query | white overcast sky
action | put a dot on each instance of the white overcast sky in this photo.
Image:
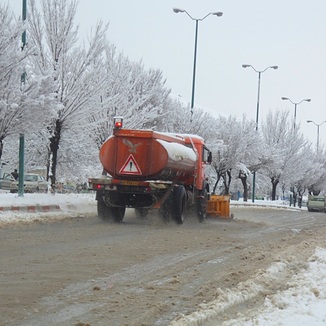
(287, 33)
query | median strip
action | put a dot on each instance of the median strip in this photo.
(31, 208)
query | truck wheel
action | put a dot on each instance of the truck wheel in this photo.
(103, 211)
(201, 205)
(117, 213)
(165, 211)
(179, 204)
(141, 213)
(164, 214)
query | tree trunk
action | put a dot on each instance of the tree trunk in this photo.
(53, 154)
(227, 181)
(216, 183)
(300, 200)
(300, 194)
(295, 196)
(1, 146)
(275, 182)
(243, 178)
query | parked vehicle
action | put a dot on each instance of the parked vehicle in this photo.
(32, 183)
(316, 203)
(8, 182)
(152, 170)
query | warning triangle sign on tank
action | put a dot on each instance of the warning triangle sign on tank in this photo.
(130, 167)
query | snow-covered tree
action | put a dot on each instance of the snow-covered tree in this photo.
(131, 91)
(76, 71)
(226, 150)
(316, 172)
(71, 92)
(250, 154)
(237, 151)
(283, 143)
(18, 96)
(296, 173)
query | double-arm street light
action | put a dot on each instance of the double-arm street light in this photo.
(295, 106)
(257, 116)
(218, 14)
(318, 125)
(259, 77)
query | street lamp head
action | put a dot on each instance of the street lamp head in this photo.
(284, 98)
(246, 66)
(218, 14)
(274, 67)
(177, 10)
(309, 121)
(307, 99)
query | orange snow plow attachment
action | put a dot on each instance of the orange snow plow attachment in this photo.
(219, 206)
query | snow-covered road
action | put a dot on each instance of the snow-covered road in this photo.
(299, 300)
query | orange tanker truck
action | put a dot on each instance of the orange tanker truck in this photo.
(145, 170)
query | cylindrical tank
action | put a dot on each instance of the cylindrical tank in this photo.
(146, 158)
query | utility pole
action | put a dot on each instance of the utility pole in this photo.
(21, 136)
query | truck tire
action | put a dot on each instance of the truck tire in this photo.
(165, 213)
(103, 211)
(179, 204)
(117, 213)
(141, 213)
(108, 213)
(201, 205)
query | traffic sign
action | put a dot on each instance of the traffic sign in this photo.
(130, 166)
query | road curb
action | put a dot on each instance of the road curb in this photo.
(31, 208)
(266, 206)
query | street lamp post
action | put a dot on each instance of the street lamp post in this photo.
(295, 107)
(318, 125)
(24, 10)
(257, 116)
(22, 136)
(218, 14)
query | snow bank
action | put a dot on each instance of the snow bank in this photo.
(69, 204)
(303, 301)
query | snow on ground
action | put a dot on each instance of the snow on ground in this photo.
(7, 198)
(70, 204)
(302, 303)
(267, 203)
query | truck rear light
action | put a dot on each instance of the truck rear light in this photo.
(118, 122)
(148, 189)
(98, 186)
